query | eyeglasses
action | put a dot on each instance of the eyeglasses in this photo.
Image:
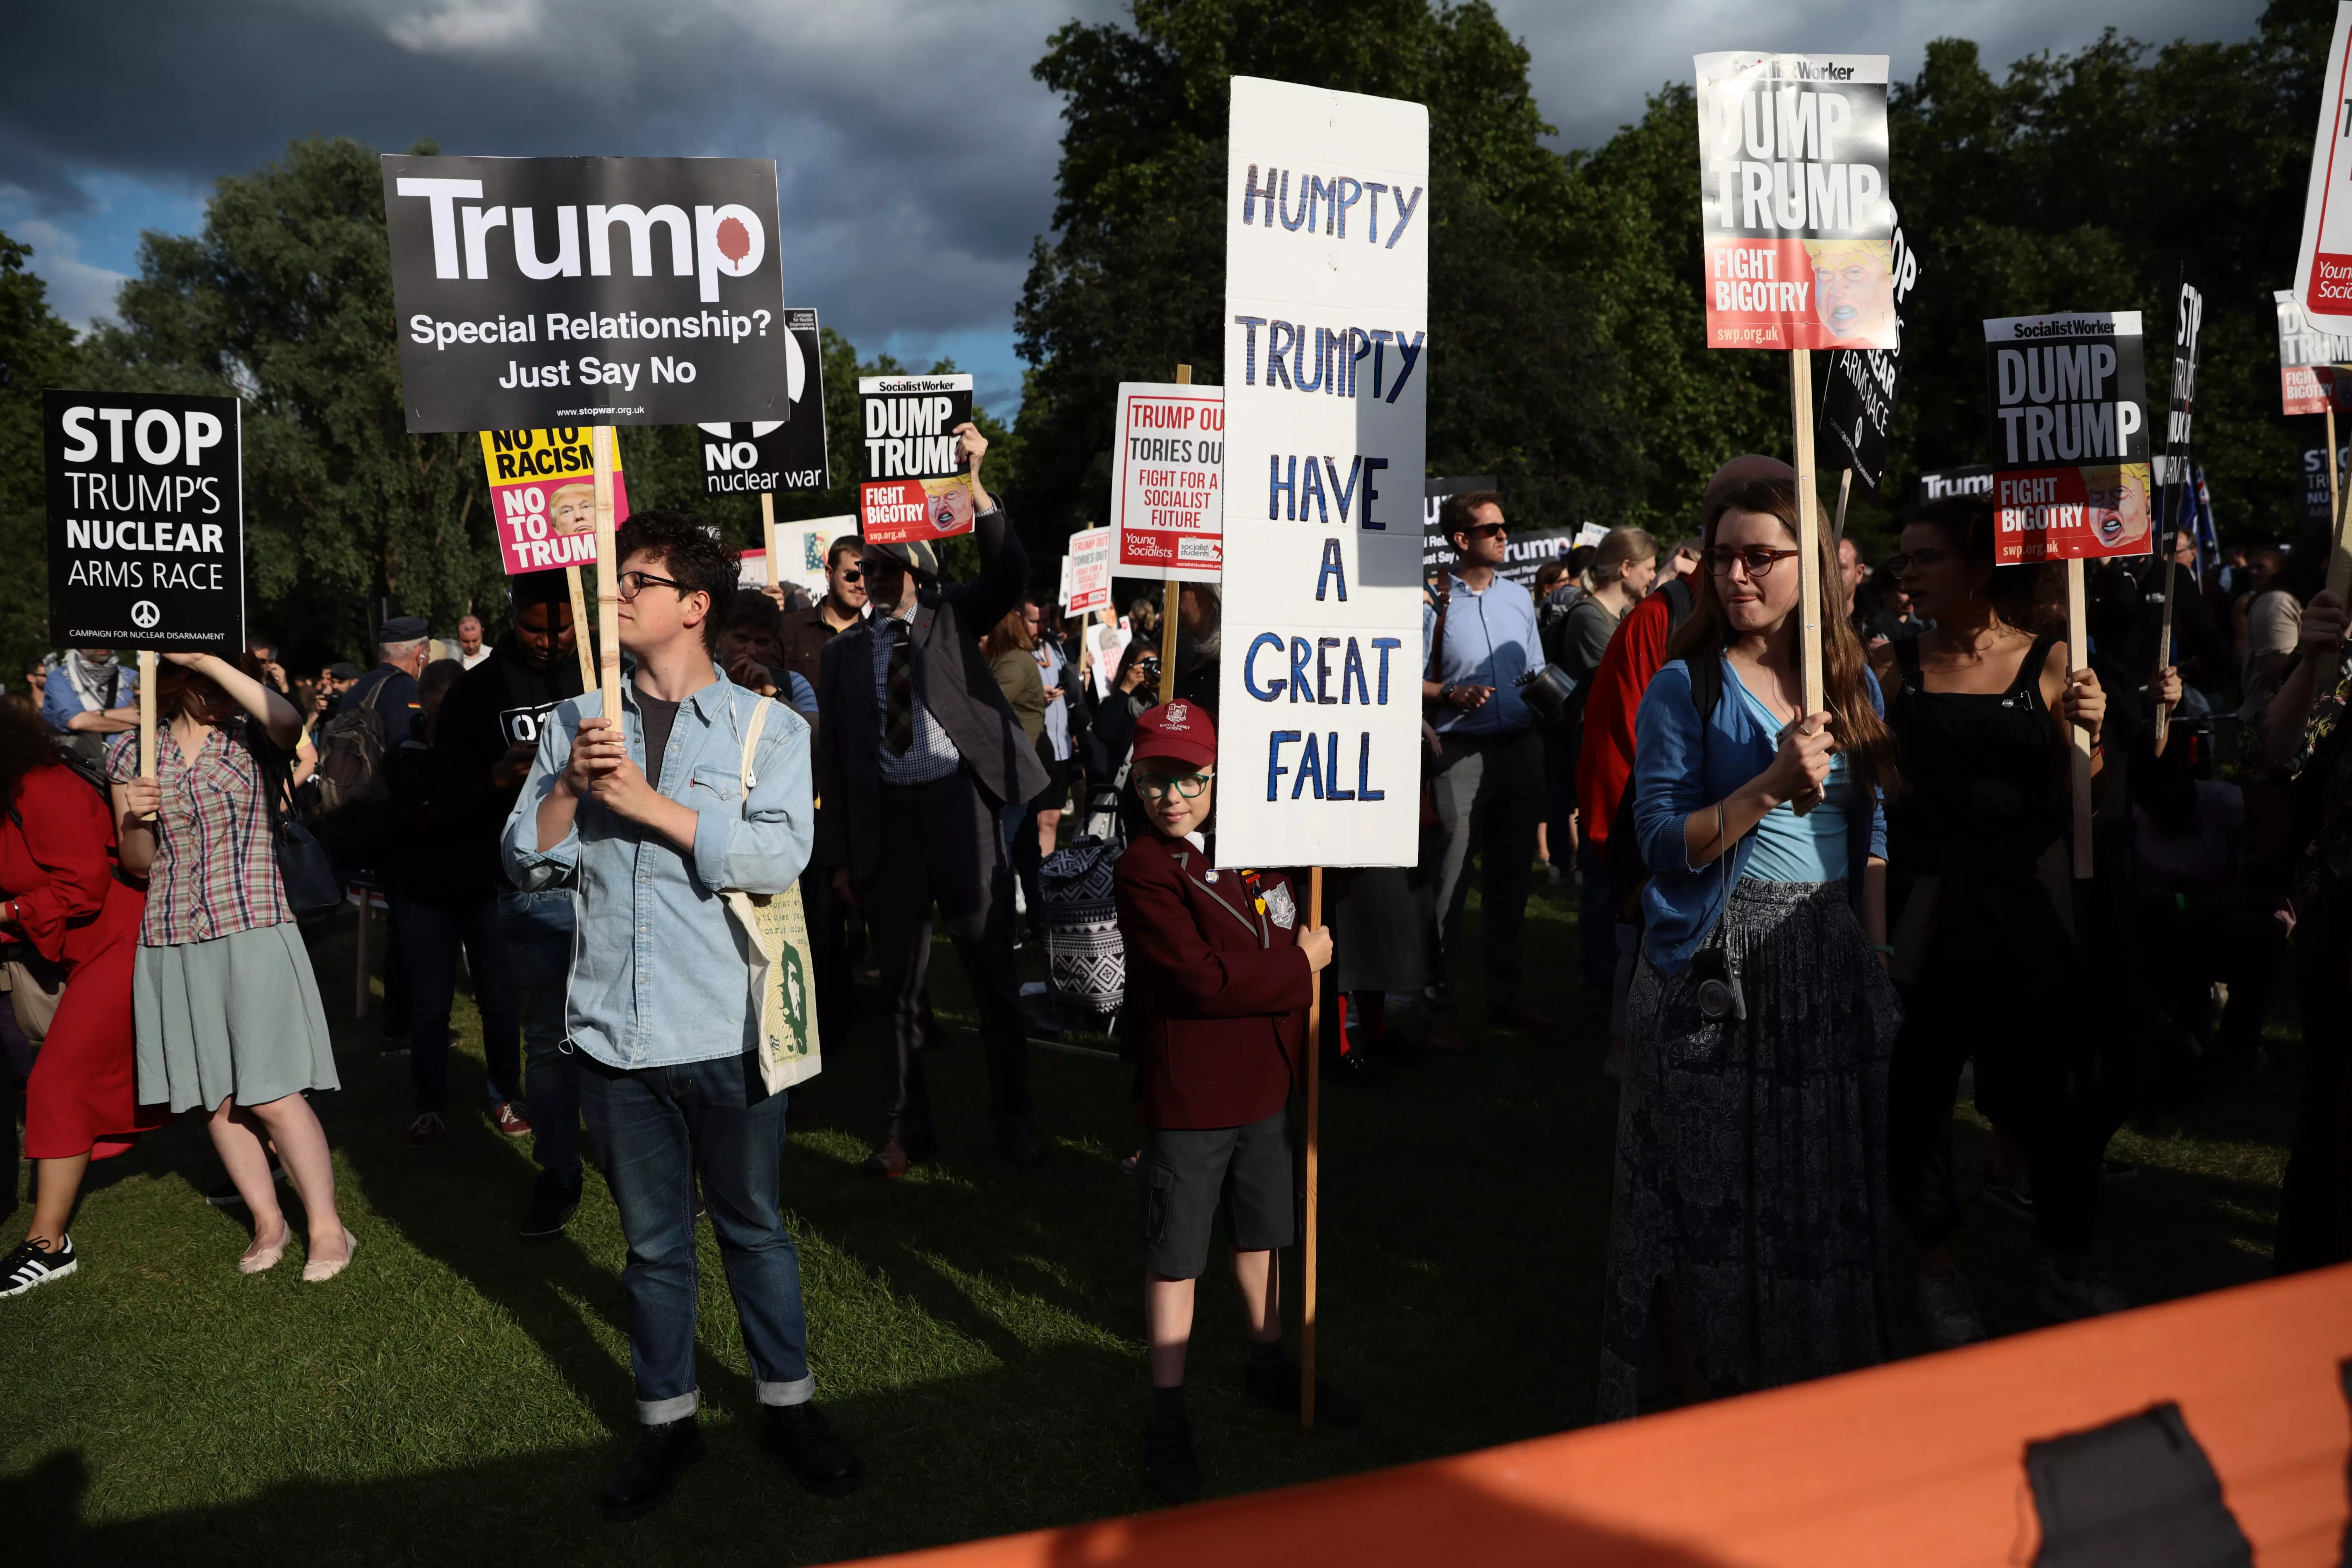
(1758, 561)
(633, 583)
(1925, 560)
(1155, 786)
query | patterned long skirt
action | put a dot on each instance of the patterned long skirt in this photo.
(1752, 1155)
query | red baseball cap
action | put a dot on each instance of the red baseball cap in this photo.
(1180, 729)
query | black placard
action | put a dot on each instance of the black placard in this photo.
(746, 458)
(1436, 548)
(1858, 405)
(146, 533)
(532, 292)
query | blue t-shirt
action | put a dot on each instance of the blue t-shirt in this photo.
(1789, 847)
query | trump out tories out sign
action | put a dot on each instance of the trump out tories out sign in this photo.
(1326, 333)
(532, 292)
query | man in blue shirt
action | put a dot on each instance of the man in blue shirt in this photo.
(89, 695)
(1478, 637)
(647, 826)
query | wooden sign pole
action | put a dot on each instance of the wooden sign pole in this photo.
(1314, 1162)
(608, 577)
(580, 629)
(2171, 520)
(2078, 644)
(1809, 532)
(768, 531)
(146, 716)
(1845, 488)
(1171, 602)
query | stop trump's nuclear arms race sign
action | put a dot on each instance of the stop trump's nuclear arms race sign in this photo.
(538, 292)
(146, 521)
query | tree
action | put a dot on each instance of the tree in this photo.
(37, 350)
(1131, 283)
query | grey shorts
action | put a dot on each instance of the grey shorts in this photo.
(1188, 1175)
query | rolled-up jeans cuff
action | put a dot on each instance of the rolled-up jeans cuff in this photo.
(661, 1412)
(800, 1390)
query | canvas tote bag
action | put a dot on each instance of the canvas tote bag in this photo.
(782, 974)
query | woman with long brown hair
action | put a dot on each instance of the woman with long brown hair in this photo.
(78, 918)
(1981, 705)
(227, 1007)
(1750, 1211)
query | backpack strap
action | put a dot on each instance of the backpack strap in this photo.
(1679, 605)
(1443, 592)
(1706, 687)
(751, 743)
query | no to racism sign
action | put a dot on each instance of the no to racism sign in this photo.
(146, 521)
(532, 292)
(1168, 473)
(1793, 202)
(2069, 434)
(2314, 363)
(543, 495)
(787, 454)
(913, 483)
(1858, 407)
(1326, 335)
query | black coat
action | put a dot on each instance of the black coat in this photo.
(957, 690)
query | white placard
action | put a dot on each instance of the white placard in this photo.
(1167, 481)
(2322, 261)
(1327, 260)
(1088, 564)
(1109, 646)
(799, 553)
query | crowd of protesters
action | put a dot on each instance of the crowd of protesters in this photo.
(1805, 929)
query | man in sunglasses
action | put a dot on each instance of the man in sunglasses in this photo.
(1479, 636)
(843, 606)
(917, 756)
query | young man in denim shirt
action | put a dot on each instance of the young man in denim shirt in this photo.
(647, 826)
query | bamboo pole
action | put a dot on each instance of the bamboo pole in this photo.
(2078, 644)
(580, 646)
(768, 531)
(1314, 1163)
(608, 578)
(1808, 531)
(1845, 488)
(147, 717)
(1171, 602)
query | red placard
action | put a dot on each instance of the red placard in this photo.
(2059, 514)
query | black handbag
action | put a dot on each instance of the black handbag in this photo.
(303, 865)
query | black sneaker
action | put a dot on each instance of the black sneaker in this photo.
(32, 1264)
(646, 1476)
(1170, 1468)
(2014, 1195)
(554, 1202)
(820, 1461)
(1277, 1389)
(226, 1196)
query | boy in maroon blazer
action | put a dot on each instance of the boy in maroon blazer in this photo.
(1218, 979)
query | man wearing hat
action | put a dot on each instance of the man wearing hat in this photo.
(401, 648)
(917, 755)
(1219, 970)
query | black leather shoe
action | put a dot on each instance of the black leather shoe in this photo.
(1279, 1390)
(1170, 1468)
(1019, 1147)
(646, 1476)
(554, 1202)
(820, 1461)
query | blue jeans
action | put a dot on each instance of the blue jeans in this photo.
(432, 933)
(655, 1127)
(536, 929)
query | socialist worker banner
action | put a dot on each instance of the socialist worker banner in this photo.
(914, 485)
(2310, 360)
(2068, 395)
(543, 495)
(1793, 202)
(530, 292)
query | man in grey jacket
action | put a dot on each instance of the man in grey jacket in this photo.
(917, 754)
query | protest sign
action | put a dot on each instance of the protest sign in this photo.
(146, 521)
(1326, 261)
(2068, 401)
(1167, 478)
(800, 549)
(1088, 562)
(913, 483)
(1109, 643)
(543, 495)
(787, 454)
(2323, 260)
(1858, 405)
(1795, 217)
(531, 293)
(2314, 363)
(1941, 484)
(1436, 549)
(2172, 470)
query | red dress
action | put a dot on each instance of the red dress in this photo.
(57, 861)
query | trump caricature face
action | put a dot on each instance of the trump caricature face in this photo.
(950, 506)
(2117, 495)
(1853, 290)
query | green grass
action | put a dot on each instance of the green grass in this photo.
(975, 1330)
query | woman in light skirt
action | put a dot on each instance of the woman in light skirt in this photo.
(226, 1007)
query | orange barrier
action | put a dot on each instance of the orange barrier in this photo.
(1919, 1463)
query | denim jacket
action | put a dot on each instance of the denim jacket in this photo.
(1677, 772)
(659, 976)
